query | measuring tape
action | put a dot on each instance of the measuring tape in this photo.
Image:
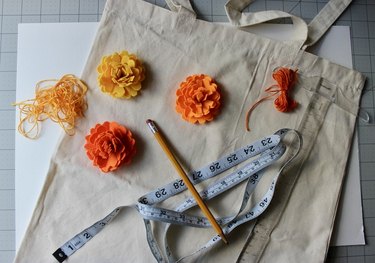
(270, 150)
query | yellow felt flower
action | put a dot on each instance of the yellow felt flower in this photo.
(120, 75)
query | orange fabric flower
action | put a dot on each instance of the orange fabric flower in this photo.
(198, 99)
(120, 75)
(109, 145)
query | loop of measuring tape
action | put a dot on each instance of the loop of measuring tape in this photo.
(270, 150)
(248, 172)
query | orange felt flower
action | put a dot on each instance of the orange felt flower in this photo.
(120, 75)
(198, 99)
(109, 145)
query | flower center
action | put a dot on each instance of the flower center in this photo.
(122, 74)
(106, 149)
(199, 96)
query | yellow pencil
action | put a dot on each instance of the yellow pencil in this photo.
(186, 180)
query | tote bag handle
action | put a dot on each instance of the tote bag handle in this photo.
(305, 35)
(237, 18)
(181, 6)
(324, 20)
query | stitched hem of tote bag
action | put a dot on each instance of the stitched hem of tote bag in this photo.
(317, 109)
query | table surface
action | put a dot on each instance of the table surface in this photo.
(360, 16)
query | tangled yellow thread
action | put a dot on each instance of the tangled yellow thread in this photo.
(61, 102)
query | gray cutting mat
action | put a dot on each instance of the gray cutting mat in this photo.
(360, 16)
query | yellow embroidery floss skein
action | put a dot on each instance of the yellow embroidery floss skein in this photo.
(61, 102)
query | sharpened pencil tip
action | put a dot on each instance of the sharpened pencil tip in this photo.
(224, 239)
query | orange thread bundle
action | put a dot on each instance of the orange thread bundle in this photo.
(285, 78)
(62, 103)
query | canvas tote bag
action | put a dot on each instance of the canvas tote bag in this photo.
(298, 223)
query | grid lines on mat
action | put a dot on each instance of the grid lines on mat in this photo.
(360, 16)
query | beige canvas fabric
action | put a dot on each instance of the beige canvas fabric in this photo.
(174, 44)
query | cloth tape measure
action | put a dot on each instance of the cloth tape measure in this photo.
(269, 148)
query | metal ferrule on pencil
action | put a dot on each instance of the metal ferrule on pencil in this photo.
(152, 126)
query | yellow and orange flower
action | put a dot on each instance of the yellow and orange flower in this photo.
(110, 145)
(120, 75)
(198, 99)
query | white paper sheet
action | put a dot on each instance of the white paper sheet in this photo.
(44, 51)
(349, 229)
(52, 50)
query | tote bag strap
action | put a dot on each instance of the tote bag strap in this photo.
(305, 36)
(324, 20)
(238, 18)
(181, 6)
